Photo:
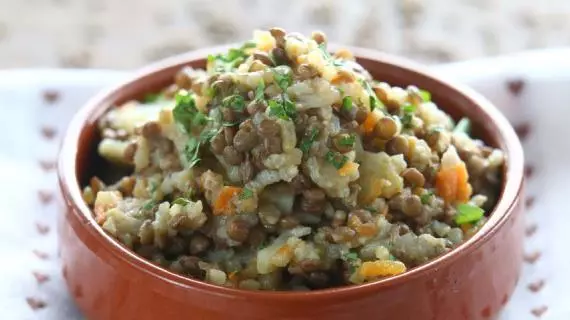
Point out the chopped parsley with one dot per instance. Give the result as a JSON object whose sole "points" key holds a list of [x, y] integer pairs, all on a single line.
{"points": [[374, 102], [347, 103], [186, 113], [352, 259], [324, 51], [467, 213], [246, 194], [408, 115], [152, 97], [181, 201], [229, 61], [284, 109], [308, 140], [347, 140], [283, 77], [191, 151], [464, 125], [147, 206], [235, 101], [426, 197], [336, 159], [260, 91], [426, 95]]}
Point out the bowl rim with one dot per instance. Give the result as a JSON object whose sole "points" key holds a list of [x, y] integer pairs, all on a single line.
{"points": [[71, 191]]}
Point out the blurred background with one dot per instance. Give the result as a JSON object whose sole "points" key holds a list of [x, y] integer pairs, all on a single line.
{"points": [[123, 34]]}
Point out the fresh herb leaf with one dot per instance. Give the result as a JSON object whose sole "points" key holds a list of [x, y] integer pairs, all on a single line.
{"points": [[347, 140], [352, 259], [186, 113], [260, 91], [464, 125], [181, 201], [426, 197], [191, 151], [467, 213], [324, 51], [208, 135], [283, 77], [230, 124], [233, 58], [307, 141], [236, 102], [408, 115], [245, 194], [152, 97], [347, 103], [374, 101], [284, 109], [338, 62], [336, 159], [426, 95], [409, 108], [147, 206]]}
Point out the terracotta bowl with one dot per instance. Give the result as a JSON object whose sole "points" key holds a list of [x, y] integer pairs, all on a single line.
{"points": [[474, 281]]}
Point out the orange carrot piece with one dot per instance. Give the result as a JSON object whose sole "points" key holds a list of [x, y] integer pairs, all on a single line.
{"points": [[384, 268], [452, 184], [370, 122], [348, 168], [222, 205], [367, 229]]}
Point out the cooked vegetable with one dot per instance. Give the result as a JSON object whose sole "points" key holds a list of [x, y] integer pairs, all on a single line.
{"points": [[279, 167]]}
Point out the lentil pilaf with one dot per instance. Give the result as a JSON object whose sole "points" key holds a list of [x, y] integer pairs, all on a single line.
{"points": [[283, 167]]}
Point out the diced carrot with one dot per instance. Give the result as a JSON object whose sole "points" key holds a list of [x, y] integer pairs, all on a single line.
{"points": [[466, 227], [367, 229], [348, 169], [381, 268], [222, 205], [452, 184], [370, 122], [233, 277]]}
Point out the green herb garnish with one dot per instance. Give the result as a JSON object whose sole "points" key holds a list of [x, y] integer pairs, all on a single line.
{"points": [[284, 109], [283, 77], [467, 213], [236, 102], [152, 97], [181, 201], [426, 197], [408, 115], [191, 151], [464, 125], [347, 103], [426, 95], [374, 102], [245, 194], [186, 113], [260, 91], [147, 206], [230, 124], [347, 140], [336, 159], [324, 51], [307, 141], [352, 259], [229, 61]]}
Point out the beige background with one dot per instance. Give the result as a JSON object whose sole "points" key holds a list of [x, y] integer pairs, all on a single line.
{"points": [[129, 33]]}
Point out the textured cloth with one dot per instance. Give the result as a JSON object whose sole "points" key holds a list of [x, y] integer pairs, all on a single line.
{"points": [[129, 33]]}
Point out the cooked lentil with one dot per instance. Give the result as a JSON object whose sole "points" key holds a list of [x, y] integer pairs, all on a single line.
{"points": [[281, 167]]}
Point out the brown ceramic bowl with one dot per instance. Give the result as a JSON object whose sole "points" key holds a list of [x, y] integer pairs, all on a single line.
{"points": [[474, 281]]}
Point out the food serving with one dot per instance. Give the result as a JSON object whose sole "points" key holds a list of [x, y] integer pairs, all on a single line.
{"points": [[283, 167]]}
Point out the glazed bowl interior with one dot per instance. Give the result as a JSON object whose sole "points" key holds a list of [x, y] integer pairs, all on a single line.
{"points": [[79, 160]]}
